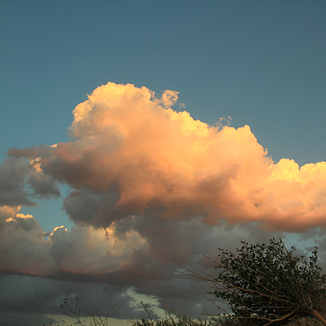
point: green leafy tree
(267, 284)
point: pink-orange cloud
(132, 154)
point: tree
(267, 284)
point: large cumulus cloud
(131, 153)
(150, 189)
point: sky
(140, 136)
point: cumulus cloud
(150, 188)
(132, 154)
(23, 248)
(122, 263)
(12, 181)
(43, 185)
(21, 179)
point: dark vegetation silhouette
(263, 284)
(266, 284)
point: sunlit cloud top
(130, 153)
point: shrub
(266, 284)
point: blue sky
(262, 63)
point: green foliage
(266, 283)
